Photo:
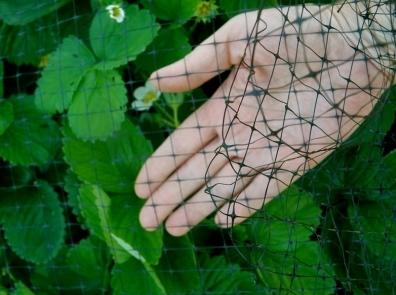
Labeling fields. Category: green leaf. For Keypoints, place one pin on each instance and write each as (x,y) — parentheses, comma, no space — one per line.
(302,270)
(389,171)
(21,289)
(377,179)
(97,4)
(177,268)
(113,164)
(129,249)
(170,45)
(239,6)
(327,177)
(98,106)
(178,11)
(374,128)
(117,43)
(87,206)
(82,268)
(375,224)
(220,277)
(33,222)
(20,12)
(61,77)
(286,221)
(71,187)
(32,138)
(6,115)
(1,76)
(124,216)
(130,277)
(16,176)
(363,163)
(115,220)
(95,206)
(88,261)
(31,43)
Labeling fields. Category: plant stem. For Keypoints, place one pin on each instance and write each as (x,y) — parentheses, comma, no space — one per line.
(260,275)
(172,121)
(164,112)
(167,122)
(175,117)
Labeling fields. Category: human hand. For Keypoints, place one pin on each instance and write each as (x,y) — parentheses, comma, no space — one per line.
(297,88)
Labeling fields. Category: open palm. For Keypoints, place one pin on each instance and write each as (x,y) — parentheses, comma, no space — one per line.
(297,88)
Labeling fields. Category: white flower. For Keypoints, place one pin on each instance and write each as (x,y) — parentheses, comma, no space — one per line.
(145,96)
(116,12)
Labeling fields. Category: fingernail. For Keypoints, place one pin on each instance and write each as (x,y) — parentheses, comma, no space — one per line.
(141,190)
(147,221)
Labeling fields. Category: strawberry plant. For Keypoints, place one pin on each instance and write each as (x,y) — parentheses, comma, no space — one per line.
(78,120)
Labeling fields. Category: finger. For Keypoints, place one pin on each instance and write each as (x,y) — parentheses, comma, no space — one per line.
(221,187)
(180,185)
(191,136)
(213,56)
(260,191)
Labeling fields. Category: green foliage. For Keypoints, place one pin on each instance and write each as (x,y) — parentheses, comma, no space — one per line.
(1,79)
(170,45)
(116,219)
(32,138)
(82,268)
(87,263)
(60,79)
(124,212)
(177,268)
(33,222)
(137,31)
(21,289)
(68,212)
(21,12)
(98,107)
(71,186)
(237,6)
(96,99)
(178,11)
(6,115)
(30,43)
(375,224)
(143,281)
(287,259)
(17,176)
(304,269)
(221,277)
(286,222)
(113,164)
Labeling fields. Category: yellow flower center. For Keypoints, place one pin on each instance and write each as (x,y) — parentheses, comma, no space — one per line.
(149,96)
(116,11)
(204,8)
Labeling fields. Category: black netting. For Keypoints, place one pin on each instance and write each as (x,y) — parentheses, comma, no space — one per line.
(197,147)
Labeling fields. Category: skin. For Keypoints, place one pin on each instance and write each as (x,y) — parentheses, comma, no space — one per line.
(243,144)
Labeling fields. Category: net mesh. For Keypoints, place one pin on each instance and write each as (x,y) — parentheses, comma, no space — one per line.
(197,147)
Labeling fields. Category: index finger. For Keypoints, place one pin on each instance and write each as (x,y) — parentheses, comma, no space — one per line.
(213,56)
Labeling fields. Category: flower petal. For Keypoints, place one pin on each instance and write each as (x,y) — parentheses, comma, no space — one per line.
(139,105)
(139,93)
